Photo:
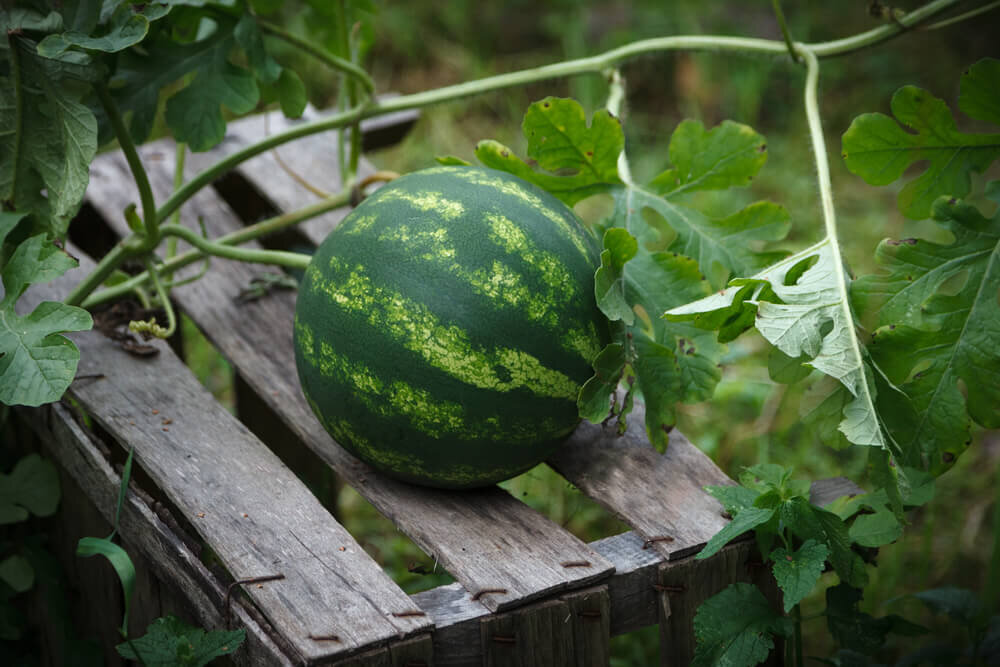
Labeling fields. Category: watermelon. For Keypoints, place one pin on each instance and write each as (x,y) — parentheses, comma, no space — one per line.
(444,328)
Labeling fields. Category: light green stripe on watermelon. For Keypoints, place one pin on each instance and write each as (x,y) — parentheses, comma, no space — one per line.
(435,417)
(503,284)
(426,201)
(446,348)
(511,188)
(359,224)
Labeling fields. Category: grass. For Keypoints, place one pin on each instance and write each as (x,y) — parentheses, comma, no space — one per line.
(750,420)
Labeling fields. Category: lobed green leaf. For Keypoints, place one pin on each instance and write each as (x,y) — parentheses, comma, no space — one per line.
(879,149)
(729,155)
(938,323)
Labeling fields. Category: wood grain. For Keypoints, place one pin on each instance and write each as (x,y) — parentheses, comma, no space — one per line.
(249,508)
(486,539)
(660,496)
(148,536)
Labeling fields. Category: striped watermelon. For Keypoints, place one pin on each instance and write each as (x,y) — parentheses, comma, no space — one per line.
(443,330)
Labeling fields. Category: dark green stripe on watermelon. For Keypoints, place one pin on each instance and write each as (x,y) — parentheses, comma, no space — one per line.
(444,328)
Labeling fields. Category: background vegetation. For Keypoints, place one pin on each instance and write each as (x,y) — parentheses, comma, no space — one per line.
(421,45)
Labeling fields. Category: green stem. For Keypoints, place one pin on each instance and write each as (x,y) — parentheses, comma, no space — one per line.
(118,254)
(243,235)
(164,297)
(962,17)
(330,60)
(826,201)
(294,260)
(149,217)
(780,15)
(222,166)
(180,154)
(594,64)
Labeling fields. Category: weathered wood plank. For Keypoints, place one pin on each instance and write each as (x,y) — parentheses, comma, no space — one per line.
(166,553)
(214,470)
(660,496)
(590,616)
(486,539)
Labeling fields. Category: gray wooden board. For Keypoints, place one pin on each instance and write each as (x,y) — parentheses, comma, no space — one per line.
(250,509)
(168,555)
(486,539)
(660,496)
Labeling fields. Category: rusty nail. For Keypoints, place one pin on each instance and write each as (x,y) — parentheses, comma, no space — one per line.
(504,639)
(240,582)
(575,563)
(659,538)
(324,638)
(407,614)
(489,591)
(669,589)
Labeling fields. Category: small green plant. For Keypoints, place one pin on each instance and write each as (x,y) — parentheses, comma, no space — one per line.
(168,641)
(797,540)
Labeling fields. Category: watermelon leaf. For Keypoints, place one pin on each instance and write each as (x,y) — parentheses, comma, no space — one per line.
(938,323)
(36,363)
(726,156)
(594,401)
(658,249)
(879,149)
(128,25)
(609,281)
(803,312)
(48,180)
(560,141)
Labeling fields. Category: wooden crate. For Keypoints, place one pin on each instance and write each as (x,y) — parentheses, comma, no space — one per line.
(527,592)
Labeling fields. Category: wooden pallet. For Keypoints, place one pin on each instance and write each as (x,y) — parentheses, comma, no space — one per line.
(527,592)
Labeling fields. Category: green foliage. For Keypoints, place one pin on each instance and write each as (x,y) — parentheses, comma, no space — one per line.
(879,150)
(657,246)
(857,631)
(798,306)
(119,560)
(938,320)
(777,507)
(37,364)
(797,572)
(736,628)
(559,140)
(32,486)
(48,135)
(169,642)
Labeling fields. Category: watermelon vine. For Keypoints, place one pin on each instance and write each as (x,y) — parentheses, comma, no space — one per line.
(889,358)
